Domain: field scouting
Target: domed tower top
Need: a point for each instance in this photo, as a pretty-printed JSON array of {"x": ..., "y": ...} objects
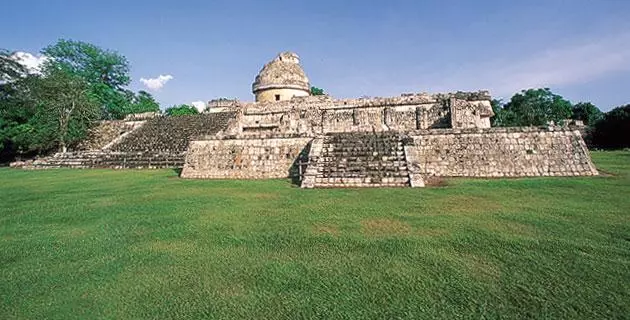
[{"x": 281, "y": 79}]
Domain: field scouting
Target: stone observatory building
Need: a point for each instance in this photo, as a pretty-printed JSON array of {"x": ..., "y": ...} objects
[
  {"x": 319, "y": 141},
  {"x": 281, "y": 79}
]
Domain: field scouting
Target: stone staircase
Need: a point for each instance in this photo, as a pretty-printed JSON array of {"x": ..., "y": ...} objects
[
  {"x": 160, "y": 143},
  {"x": 106, "y": 159},
  {"x": 172, "y": 134},
  {"x": 359, "y": 159}
]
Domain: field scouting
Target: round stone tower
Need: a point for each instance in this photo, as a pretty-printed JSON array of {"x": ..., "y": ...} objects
[{"x": 281, "y": 79}]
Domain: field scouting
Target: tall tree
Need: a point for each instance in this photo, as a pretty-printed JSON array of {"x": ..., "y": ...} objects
[
  {"x": 65, "y": 105},
  {"x": 536, "y": 107},
  {"x": 106, "y": 72},
  {"x": 587, "y": 112}
]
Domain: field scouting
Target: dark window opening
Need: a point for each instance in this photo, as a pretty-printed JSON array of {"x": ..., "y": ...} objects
[{"x": 277, "y": 97}]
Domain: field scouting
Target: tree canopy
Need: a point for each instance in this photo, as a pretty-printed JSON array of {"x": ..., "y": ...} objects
[
  {"x": 613, "y": 130},
  {"x": 181, "y": 110},
  {"x": 43, "y": 112},
  {"x": 534, "y": 107},
  {"x": 143, "y": 102},
  {"x": 315, "y": 91},
  {"x": 105, "y": 71},
  {"x": 79, "y": 83},
  {"x": 64, "y": 106},
  {"x": 587, "y": 112},
  {"x": 92, "y": 63}
]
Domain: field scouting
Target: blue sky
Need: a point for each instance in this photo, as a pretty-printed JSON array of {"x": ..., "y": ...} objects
[{"x": 211, "y": 49}]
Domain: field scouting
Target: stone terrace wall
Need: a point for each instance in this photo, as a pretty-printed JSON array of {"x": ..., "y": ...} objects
[
  {"x": 499, "y": 152},
  {"x": 250, "y": 158}
]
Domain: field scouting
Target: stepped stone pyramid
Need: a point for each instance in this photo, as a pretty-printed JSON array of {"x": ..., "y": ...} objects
[
  {"x": 323, "y": 142},
  {"x": 160, "y": 142}
]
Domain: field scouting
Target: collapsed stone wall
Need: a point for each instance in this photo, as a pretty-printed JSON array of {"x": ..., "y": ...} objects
[
  {"x": 249, "y": 158},
  {"x": 499, "y": 152}
]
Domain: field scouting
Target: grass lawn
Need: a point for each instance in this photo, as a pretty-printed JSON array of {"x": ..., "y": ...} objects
[{"x": 86, "y": 244}]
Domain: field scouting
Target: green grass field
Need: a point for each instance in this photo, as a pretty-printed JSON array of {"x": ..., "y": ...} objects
[{"x": 86, "y": 244}]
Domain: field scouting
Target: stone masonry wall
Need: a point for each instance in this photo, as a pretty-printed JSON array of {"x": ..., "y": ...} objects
[
  {"x": 251, "y": 158},
  {"x": 499, "y": 152},
  {"x": 383, "y": 118},
  {"x": 310, "y": 116}
]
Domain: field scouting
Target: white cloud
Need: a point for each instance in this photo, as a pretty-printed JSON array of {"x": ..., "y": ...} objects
[
  {"x": 200, "y": 105},
  {"x": 156, "y": 83},
  {"x": 32, "y": 62},
  {"x": 578, "y": 63}
]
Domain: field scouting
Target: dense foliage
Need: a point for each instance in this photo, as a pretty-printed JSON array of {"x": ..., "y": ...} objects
[
  {"x": 106, "y": 72},
  {"x": 65, "y": 107},
  {"x": 613, "y": 131},
  {"x": 143, "y": 102},
  {"x": 587, "y": 113},
  {"x": 45, "y": 111},
  {"x": 79, "y": 83},
  {"x": 181, "y": 110},
  {"x": 533, "y": 107},
  {"x": 315, "y": 91}
]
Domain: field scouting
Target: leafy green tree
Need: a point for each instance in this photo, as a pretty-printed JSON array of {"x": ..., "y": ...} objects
[
  {"x": 113, "y": 103},
  {"x": 92, "y": 63},
  {"x": 17, "y": 109},
  {"x": 66, "y": 107},
  {"x": 106, "y": 72},
  {"x": 144, "y": 102},
  {"x": 181, "y": 110},
  {"x": 315, "y": 91},
  {"x": 536, "y": 107},
  {"x": 587, "y": 112},
  {"x": 502, "y": 117},
  {"x": 613, "y": 131}
]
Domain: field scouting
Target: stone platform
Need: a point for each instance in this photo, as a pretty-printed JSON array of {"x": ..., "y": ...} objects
[{"x": 392, "y": 158}]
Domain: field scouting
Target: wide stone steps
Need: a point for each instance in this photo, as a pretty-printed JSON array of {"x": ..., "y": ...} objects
[
  {"x": 358, "y": 160},
  {"x": 80, "y": 160},
  {"x": 160, "y": 143},
  {"x": 172, "y": 134}
]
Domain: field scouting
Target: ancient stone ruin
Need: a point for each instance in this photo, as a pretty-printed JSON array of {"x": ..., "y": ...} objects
[{"x": 324, "y": 142}]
